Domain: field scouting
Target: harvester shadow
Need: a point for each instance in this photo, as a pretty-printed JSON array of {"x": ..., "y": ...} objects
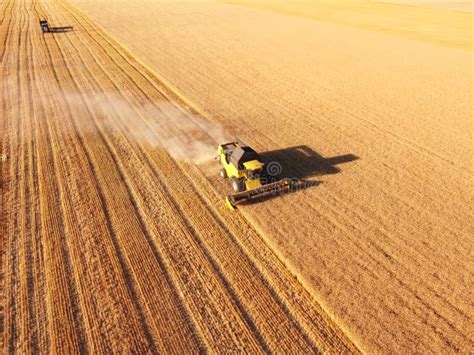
[
  {"x": 301, "y": 165},
  {"x": 302, "y": 162}
]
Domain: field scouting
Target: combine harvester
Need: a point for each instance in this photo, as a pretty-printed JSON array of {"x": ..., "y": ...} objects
[
  {"x": 244, "y": 167},
  {"x": 45, "y": 27}
]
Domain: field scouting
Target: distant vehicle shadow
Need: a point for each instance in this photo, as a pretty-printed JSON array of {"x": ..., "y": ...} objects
[{"x": 302, "y": 162}]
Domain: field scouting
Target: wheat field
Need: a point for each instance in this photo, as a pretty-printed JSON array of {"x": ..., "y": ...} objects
[{"x": 115, "y": 234}]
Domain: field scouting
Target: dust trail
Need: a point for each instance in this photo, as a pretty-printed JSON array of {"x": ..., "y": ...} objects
[
  {"x": 162, "y": 125},
  {"x": 184, "y": 135}
]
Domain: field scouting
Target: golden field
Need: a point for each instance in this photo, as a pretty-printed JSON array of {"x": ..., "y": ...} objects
[{"x": 115, "y": 235}]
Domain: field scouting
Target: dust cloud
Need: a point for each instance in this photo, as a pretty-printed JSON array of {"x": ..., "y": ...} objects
[
  {"x": 162, "y": 125},
  {"x": 184, "y": 135}
]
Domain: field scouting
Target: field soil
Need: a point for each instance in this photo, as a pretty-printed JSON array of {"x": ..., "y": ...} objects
[{"x": 115, "y": 235}]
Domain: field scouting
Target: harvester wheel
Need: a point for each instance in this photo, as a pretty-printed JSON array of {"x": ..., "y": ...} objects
[
  {"x": 237, "y": 185},
  {"x": 223, "y": 174}
]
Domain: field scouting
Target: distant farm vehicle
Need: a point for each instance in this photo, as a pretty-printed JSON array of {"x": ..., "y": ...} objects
[
  {"x": 46, "y": 28},
  {"x": 244, "y": 167}
]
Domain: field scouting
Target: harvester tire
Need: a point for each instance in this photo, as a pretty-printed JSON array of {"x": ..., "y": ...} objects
[
  {"x": 237, "y": 185},
  {"x": 223, "y": 174}
]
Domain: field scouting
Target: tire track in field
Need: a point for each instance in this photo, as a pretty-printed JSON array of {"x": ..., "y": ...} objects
[
  {"x": 16, "y": 294},
  {"x": 138, "y": 271},
  {"x": 6, "y": 35},
  {"x": 46, "y": 132},
  {"x": 12, "y": 312},
  {"x": 27, "y": 213},
  {"x": 4, "y": 6},
  {"x": 9, "y": 193},
  {"x": 112, "y": 305},
  {"x": 37, "y": 264},
  {"x": 33, "y": 262},
  {"x": 68, "y": 193}
]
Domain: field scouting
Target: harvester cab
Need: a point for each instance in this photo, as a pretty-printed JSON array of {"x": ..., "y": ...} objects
[
  {"x": 241, "y": 164},
  {"x": 244, "y": 167}
]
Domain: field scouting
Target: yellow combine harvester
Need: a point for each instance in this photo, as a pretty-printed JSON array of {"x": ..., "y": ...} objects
[{"x": 244, "y": 167}]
